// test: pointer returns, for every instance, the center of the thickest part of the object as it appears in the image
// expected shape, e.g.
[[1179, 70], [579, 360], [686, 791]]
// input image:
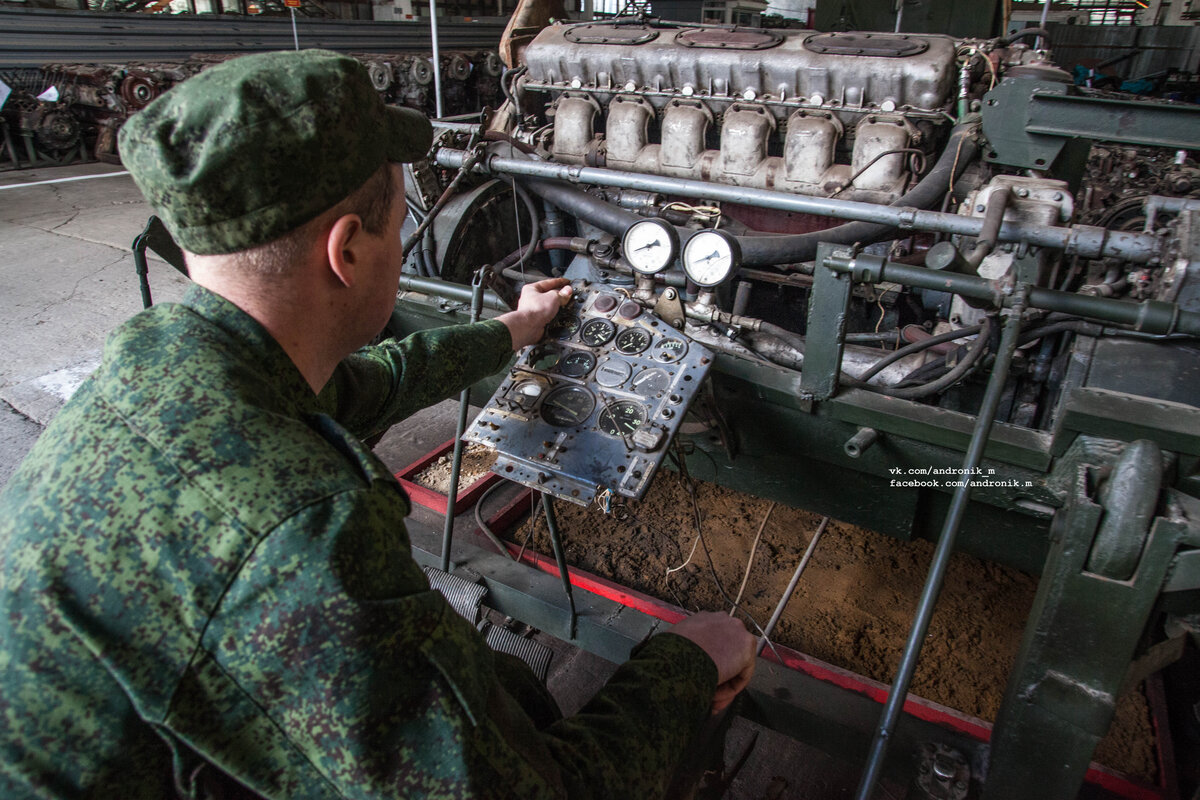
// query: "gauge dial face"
[[576, 363], [526, 393], [651, 382], [710, 257], [568, 406], [649, 245], [669, 351], [633, 340], [597, 332], [563, 326], [622, 417], [613, 372]]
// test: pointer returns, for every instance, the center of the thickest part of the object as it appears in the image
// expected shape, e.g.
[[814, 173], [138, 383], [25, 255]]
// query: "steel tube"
[[1081, 240], [453, 291], [945, 546], [437, 61], [559, 557], [1151, 316], [791, 587], [464, 406]]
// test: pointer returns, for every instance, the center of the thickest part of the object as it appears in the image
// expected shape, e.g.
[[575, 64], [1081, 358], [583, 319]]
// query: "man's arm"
[[378, 386], [356, 667]]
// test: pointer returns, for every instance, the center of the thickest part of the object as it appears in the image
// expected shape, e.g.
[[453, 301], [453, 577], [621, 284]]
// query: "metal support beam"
[[827, 307], [1149, 316], [1111, 120], [1083, 630]]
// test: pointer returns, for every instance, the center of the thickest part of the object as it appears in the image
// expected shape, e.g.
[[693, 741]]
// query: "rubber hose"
[[605, 216]]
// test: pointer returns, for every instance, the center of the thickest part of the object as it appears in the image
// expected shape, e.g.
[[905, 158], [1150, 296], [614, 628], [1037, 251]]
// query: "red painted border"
[[467, 495], [918, 707]]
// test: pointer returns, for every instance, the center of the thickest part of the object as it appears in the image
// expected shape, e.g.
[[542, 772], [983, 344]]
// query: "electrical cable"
[[750, 559], [483, 526], [960, 370], [916, 347], [910, 150]]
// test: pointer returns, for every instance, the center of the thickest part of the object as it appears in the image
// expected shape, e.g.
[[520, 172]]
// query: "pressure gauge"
[[649, 245], [710, 257]]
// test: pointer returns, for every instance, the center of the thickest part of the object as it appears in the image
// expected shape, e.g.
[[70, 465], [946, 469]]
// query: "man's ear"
[[344, 248]]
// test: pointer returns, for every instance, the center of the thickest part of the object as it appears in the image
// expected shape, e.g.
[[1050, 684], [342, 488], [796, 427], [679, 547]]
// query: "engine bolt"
[[749, 94]]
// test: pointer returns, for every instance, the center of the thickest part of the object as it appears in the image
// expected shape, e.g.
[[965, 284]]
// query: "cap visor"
[[409, 134]]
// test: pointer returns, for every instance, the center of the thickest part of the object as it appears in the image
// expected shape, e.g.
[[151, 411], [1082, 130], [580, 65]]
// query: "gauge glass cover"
[[563, 326], [568, 406], [669, 351], [651, 382], [621, 418], [613, 372], [576, 363], [597, 332], [709, 257], [633, 340], [649, 245]]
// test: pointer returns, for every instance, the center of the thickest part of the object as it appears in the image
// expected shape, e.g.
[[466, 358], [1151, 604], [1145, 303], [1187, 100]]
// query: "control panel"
[[589, 411]]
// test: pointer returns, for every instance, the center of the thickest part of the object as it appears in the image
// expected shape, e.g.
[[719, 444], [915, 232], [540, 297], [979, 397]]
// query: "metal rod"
[[1151, 316], [295, 36], [437, 60], [559, 557], [945, 546], [452, 291], [791, 587], [1082, 240], [464, 405]]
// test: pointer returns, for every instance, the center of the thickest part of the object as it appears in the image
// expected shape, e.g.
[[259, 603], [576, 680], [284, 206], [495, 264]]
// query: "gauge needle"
[[655, 243], [574, 414], [710, 257]]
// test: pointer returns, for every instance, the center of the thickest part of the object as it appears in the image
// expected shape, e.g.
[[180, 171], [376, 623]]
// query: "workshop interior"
[[928, 269]]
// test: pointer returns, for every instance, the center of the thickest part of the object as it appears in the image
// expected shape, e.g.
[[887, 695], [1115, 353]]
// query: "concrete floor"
[[67, 279]]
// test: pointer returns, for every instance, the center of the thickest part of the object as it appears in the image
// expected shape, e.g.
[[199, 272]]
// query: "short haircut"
[[372, 202]]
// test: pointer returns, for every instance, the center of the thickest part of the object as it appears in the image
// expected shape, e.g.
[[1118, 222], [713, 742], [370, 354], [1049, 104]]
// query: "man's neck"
[[290, 311]]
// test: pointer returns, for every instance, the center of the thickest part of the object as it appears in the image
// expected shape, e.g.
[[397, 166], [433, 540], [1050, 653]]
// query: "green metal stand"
[[1082, 634]]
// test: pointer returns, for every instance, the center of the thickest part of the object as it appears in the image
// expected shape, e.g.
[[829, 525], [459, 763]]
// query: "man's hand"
[[538, 304], [730, 646]]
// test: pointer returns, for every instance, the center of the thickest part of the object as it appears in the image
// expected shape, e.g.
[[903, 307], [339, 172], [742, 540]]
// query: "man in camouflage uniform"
[[206, 581]]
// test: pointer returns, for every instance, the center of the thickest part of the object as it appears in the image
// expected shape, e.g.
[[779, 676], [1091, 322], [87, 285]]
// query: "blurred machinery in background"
[[94, 100], [950, 295]]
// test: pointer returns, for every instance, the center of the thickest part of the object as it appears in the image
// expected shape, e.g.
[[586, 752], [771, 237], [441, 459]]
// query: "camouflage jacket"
[[203, 565]]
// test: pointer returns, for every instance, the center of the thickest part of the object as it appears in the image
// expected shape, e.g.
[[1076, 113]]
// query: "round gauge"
[[633, 340], [622, 417], [710, 257], [612, 372], [669, 351], [526, 393], [563, 326], [651, 382], [576, 363], [649, 245], [597, 332], [568, 406]]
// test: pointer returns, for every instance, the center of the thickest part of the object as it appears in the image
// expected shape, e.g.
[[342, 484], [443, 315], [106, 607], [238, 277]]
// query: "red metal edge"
[[436, 501], [919, 707]]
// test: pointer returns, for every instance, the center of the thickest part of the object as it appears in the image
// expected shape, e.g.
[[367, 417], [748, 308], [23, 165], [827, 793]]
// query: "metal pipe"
[[464, 406], [1082, 240], [860, 442], [437, 60], [1151, 316], [453, 291], [559, 557], [992, 219], [945, 546], [791, 587]]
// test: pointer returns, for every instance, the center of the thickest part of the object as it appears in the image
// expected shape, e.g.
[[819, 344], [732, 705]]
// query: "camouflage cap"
[[253, 148]]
